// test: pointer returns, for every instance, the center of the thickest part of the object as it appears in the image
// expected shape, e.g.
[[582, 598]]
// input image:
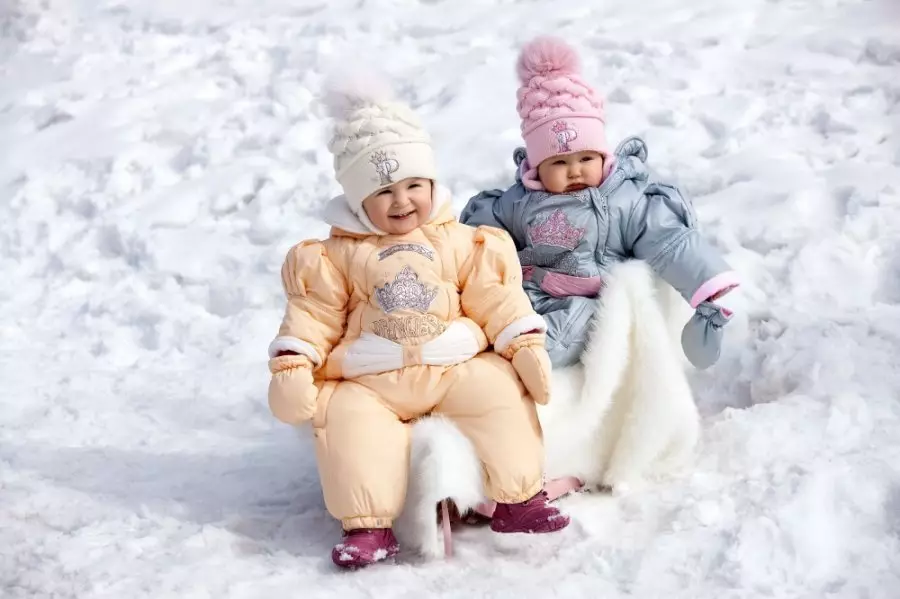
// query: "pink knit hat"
[[561, 114]]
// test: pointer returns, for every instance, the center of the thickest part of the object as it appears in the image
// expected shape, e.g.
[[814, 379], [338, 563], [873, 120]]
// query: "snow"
[[159, 158]]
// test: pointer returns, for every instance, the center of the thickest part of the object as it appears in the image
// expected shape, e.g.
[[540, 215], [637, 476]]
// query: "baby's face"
[[400, 208], [571, 172]]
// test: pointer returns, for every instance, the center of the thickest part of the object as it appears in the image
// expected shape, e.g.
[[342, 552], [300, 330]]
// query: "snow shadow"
[[267, 496]]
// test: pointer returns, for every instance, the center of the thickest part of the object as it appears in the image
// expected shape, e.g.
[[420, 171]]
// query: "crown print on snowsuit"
[[384, 166], [564, 134], [406, 247], [405, 293], [556, 231]]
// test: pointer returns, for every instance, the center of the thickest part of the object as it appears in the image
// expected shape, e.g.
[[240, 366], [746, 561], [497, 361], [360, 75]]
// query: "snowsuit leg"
[[362, 448], [362, 439], [486, 400]]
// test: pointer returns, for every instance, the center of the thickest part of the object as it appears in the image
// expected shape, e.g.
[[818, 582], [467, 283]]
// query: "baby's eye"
[[587, 158], [559, 162], [384, 192], [414, 185]]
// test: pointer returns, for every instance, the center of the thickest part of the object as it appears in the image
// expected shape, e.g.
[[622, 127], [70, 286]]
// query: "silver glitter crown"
[[405, 292]]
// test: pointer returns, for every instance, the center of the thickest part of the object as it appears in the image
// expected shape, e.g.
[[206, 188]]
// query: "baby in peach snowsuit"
[[389, 319]]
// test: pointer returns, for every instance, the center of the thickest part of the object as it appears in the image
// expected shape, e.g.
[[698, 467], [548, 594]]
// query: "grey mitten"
[[701, 337]]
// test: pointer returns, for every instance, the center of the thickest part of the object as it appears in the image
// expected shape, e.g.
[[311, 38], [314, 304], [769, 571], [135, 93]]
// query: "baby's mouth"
[[576, 187], [402, 216]]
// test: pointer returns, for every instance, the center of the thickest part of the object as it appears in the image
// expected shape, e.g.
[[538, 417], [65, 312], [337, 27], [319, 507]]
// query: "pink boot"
[[364, 546], [532, 516]]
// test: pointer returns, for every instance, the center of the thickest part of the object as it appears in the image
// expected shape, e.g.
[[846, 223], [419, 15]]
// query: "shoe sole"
[[553, 525], [356, 561]]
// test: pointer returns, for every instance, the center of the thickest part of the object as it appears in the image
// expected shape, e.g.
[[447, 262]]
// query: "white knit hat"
[[377, 140]]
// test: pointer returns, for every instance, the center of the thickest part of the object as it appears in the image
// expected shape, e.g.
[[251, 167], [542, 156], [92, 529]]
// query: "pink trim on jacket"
[[717, 286]]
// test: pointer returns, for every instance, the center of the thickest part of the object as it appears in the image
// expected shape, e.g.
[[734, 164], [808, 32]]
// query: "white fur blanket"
[[626, 416]]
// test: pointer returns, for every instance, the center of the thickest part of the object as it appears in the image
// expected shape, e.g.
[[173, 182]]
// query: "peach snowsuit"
[[396, 327]]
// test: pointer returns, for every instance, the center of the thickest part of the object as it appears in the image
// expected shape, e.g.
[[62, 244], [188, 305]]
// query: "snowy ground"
[[157, 158]]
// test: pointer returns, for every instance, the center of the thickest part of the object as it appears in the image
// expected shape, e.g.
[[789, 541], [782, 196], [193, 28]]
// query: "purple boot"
[[364, 546], [531, 516]]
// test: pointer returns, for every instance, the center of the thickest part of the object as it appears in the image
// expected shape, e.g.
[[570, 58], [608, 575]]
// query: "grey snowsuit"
[[567, 242]]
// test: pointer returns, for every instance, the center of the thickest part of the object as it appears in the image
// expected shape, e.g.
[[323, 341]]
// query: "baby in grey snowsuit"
[[577, 209]]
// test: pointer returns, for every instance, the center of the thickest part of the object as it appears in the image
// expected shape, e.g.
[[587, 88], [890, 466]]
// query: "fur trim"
[[650, 424], [625, 416], [628, 414], [442, 465]]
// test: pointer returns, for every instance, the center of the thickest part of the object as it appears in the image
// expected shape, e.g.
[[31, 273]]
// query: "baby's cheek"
[[424, 212], [553, 182], [596, 175]]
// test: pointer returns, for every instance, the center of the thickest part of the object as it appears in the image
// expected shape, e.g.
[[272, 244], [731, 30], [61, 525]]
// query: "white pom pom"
[[348, 88]]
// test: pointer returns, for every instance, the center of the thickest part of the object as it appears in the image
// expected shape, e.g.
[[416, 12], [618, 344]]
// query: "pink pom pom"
[[547, 56]]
